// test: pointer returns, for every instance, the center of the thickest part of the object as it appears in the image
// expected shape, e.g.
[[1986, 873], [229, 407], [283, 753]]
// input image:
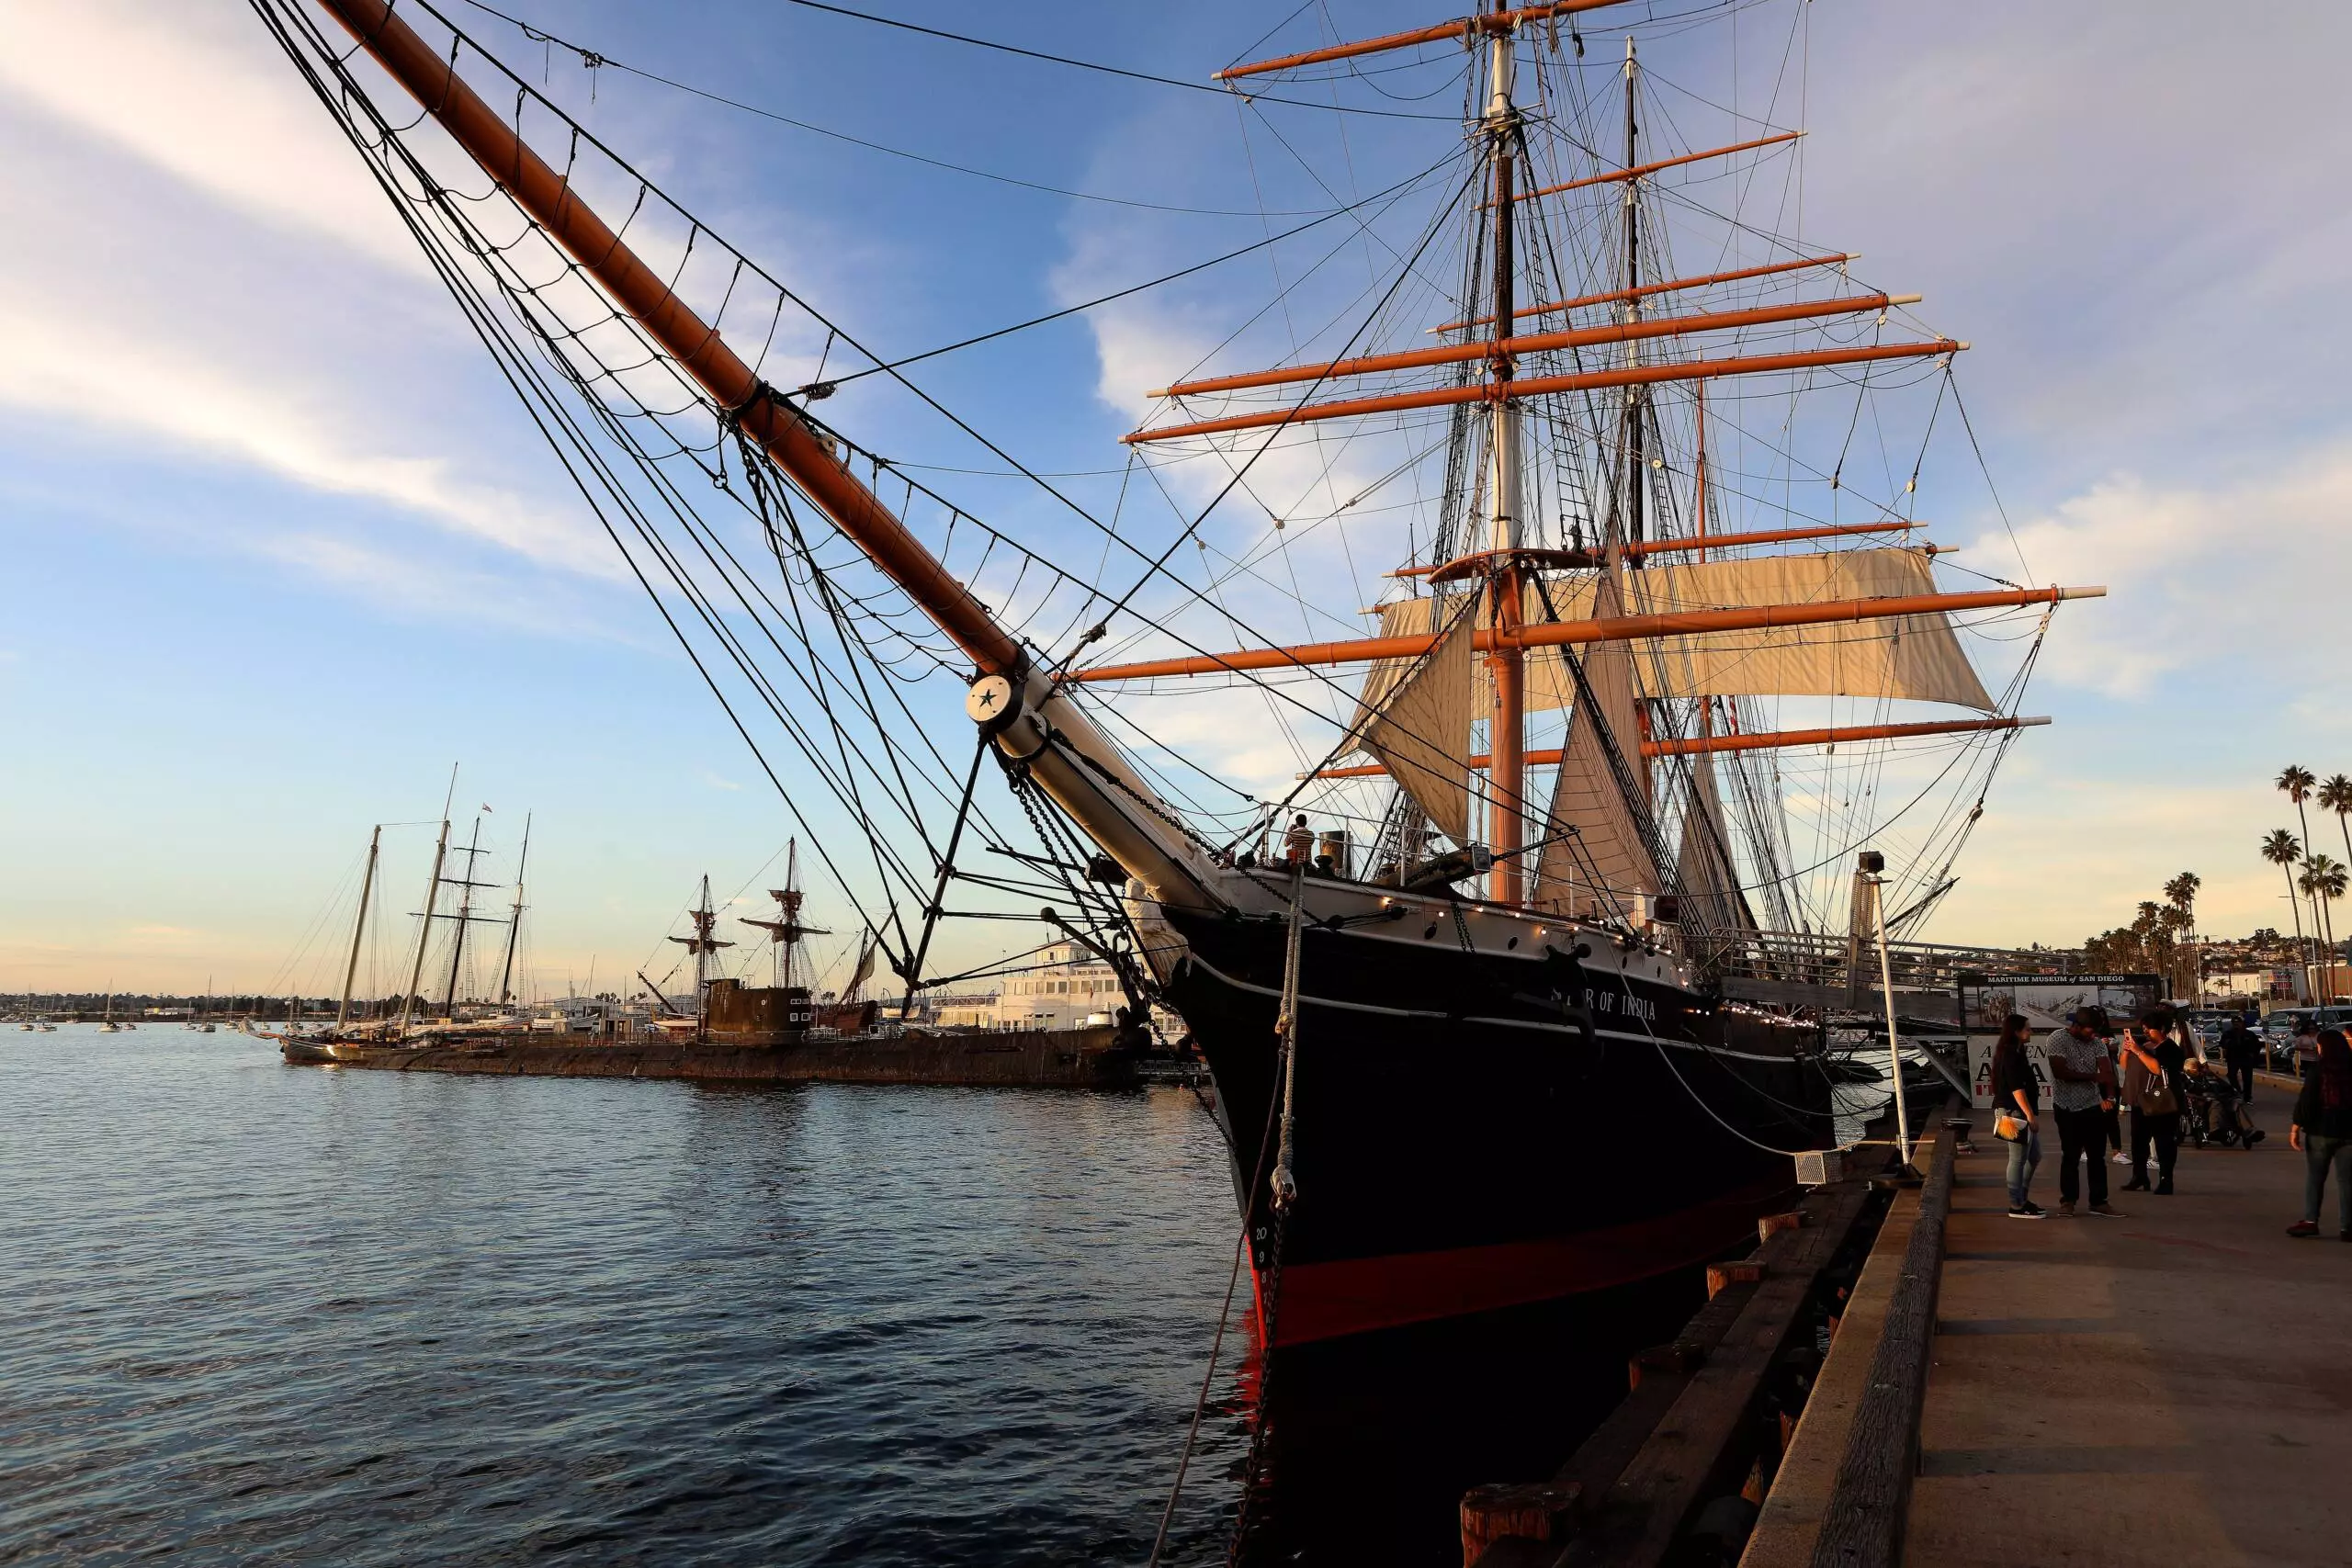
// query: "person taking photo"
[[2153, 1088]]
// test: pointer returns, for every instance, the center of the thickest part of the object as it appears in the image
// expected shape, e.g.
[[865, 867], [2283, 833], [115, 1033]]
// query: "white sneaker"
[[2119, 1158]]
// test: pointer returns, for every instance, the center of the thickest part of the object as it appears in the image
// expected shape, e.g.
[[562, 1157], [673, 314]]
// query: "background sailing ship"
[[1645, 465]]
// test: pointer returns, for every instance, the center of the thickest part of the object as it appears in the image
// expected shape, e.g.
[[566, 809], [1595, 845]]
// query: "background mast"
[[464, 916], [515, 926], [432, 896], [351, 970]]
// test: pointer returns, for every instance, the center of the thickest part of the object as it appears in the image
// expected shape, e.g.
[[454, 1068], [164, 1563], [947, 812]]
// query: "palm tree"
[[2335, 795], [2324, 881], [2295, 783], [2181, 891], [2282, 850]]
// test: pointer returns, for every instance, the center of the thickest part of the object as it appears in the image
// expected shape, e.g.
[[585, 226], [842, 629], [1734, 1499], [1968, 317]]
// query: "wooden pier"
[[2173, 1387]]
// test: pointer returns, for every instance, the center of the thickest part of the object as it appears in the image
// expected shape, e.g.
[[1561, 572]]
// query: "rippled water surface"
[[256, 1313]]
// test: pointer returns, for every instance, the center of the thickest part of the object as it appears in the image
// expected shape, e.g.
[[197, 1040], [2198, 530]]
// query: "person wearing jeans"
[[2081, 1099], [2016, 1091], [2323, 1131]]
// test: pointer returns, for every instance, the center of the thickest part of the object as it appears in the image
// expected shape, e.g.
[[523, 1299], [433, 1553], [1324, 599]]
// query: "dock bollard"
[[1531, 1512]]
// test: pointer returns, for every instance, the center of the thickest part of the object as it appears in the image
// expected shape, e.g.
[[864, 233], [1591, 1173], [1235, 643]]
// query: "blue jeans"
[[2025, 1153], [2318, 1155]]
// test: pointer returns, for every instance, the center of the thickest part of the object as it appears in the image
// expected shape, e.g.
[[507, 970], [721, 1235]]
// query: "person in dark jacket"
[[2323, 1131], [2241, 1048], [2016, 1091], [2151, 1056]]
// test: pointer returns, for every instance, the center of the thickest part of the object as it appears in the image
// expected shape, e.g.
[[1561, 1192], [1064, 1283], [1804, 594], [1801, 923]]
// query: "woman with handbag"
[[2015, 1095], [2152, 1089]]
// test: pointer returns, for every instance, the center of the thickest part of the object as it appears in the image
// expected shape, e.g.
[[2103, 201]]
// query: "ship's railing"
[[1831, 962]]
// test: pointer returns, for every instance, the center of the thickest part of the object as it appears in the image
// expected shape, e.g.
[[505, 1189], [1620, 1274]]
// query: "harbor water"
[[264, 1314], [259, 1313]]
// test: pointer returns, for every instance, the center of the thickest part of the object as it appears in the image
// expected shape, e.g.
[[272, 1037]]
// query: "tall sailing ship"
[[1503, 999]]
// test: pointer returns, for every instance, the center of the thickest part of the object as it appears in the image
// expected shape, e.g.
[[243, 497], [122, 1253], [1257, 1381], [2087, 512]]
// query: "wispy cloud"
[[201, 265], [199, 90], [2204, 579]]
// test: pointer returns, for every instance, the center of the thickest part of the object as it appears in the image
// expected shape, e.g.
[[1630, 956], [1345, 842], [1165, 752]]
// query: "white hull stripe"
[[1333, 1003]]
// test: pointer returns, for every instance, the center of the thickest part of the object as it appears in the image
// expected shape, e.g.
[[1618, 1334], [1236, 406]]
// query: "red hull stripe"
[[1324, 1301]]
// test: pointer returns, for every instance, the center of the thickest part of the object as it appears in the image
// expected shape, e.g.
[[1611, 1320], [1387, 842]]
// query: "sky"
[[278, 549]]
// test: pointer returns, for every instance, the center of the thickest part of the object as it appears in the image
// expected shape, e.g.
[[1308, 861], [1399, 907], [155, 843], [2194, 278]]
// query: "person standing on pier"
[[2323, 1131], [2153, 1088], [2111, 1108], [2240, 1049], [2306, 1045], [2015, 1093], [2081, 1099]]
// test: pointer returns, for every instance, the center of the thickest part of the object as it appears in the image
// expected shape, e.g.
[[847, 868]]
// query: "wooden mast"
[[515, 920], [464, 918], [1573, 557], [432, 896], [1634, 482], [1669, 285], [1532, 343], [1757, 740], [1070, 757], [1506, 662], [367, 887], [1635, 171], [1579, 381], [1499, 21], [1611, 629]]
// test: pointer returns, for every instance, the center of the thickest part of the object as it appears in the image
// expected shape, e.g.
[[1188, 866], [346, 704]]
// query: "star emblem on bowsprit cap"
[[991, 703]]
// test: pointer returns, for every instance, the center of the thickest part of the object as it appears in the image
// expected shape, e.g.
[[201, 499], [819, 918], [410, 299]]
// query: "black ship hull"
[[1476, 1129]]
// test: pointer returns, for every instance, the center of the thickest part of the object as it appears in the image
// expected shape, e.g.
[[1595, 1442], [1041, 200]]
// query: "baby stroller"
[[2214, 1113]]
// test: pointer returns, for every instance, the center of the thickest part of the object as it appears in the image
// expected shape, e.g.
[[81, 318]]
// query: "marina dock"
[[2169, 1387]]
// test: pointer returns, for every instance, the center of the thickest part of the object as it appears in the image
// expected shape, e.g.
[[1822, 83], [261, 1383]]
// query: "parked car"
[[2279, 1025], [2207, 1023]]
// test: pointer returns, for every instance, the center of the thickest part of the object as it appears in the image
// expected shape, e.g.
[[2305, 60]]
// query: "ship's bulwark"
[[1453, 1160]]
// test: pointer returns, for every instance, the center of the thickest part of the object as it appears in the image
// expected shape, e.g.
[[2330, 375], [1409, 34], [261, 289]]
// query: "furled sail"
[[1913, 657], [1414, 717], [1607, 854], [1707, 880]]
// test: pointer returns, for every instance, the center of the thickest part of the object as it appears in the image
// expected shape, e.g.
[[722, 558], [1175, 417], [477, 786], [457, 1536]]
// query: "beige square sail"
[[1414, 718], [1606, 860], [1914, 657]]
